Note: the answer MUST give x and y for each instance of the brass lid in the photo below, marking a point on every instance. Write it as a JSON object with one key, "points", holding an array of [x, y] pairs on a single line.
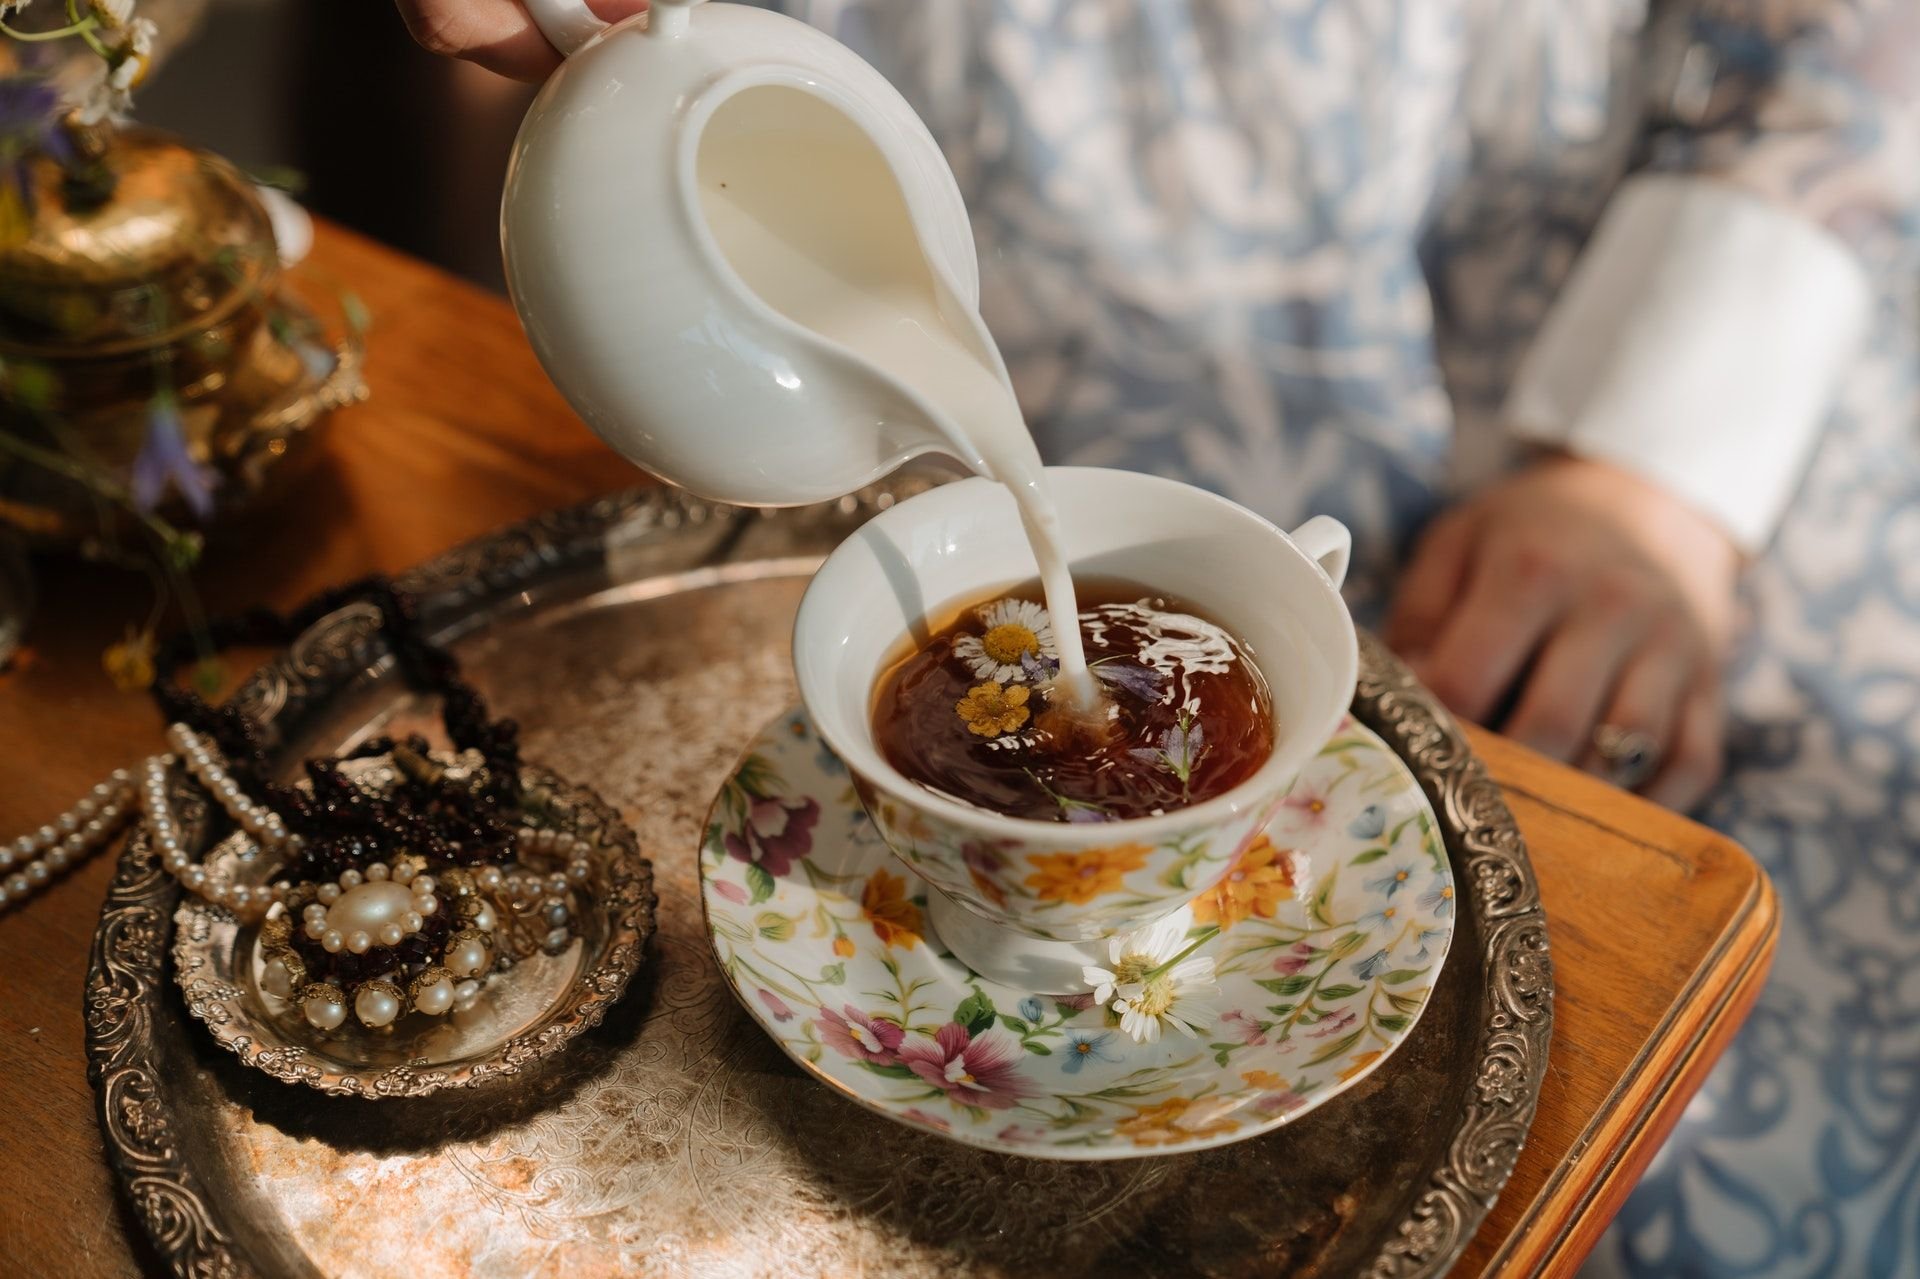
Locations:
{"points": [[181, 243]]}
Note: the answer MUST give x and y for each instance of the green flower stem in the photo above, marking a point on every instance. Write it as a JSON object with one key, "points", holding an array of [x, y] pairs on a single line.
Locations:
{"points": [[1212, 932], [80, 28], [819, 878], [86, 30], [1373, 1027], [1308, 996], [191, 612], [1066, 805], [780, 988], [905, 994], [1287, 938]]}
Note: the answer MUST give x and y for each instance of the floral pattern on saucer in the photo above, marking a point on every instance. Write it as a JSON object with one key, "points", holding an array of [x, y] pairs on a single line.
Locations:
{"points": [[1332, 929]]}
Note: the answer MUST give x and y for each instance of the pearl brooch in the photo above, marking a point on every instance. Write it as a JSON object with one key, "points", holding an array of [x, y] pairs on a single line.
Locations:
{"points": [[391, 939]]}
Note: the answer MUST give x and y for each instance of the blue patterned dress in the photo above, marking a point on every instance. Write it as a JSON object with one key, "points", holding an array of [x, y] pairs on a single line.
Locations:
{"points": [[1293, 250]]}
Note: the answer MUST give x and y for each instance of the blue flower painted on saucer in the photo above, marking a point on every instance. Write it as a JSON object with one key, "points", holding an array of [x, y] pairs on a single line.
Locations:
{"points": [[1371, 822], [1083, 1046]]}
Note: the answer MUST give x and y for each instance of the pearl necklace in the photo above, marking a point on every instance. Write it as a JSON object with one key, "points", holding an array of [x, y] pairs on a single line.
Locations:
{"points": [[32, 862], [36, 860]]}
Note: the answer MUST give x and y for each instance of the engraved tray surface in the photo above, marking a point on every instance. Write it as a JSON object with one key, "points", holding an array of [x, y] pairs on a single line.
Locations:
{"points": [[641, 640]]}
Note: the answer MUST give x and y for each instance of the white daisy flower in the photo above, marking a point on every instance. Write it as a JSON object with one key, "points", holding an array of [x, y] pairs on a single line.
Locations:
{"points": [[1014, 629], [1137, 952], [1155, 980], [112, 96], [1181, 997]]}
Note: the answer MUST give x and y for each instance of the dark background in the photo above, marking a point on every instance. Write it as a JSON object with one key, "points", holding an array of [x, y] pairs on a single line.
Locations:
{"points": [[409, 148]]}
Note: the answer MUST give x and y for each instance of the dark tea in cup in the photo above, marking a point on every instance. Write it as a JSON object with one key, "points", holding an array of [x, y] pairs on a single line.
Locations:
{"points": [[976, 712]]}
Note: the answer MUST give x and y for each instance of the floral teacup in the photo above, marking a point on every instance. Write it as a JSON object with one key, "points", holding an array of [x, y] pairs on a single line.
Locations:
{"points": [[1019, 900]]}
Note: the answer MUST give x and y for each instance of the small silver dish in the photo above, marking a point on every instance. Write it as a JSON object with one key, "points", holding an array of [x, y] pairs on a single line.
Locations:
{"points": [[529, 1011]]}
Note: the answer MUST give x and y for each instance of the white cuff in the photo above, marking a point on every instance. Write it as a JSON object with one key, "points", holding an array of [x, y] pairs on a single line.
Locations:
{"points": [[1698, 343]]}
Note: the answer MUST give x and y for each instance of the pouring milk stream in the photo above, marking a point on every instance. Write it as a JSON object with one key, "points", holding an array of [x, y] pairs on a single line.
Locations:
{"points": [[819, 232], [685, 134]]}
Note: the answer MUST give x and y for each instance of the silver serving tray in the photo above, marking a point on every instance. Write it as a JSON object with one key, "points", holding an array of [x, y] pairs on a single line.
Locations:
{"points": [[641, 640]]}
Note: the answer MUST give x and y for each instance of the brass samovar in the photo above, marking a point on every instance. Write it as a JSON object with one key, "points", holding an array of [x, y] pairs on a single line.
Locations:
{"points": [[149, 270]]}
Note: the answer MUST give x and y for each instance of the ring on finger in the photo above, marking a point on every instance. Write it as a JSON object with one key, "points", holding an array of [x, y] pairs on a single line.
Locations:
{"points": [[1631, 756]]}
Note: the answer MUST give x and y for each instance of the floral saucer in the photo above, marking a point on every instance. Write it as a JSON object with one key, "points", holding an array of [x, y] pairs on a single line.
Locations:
{"points": [[1333, 927]]}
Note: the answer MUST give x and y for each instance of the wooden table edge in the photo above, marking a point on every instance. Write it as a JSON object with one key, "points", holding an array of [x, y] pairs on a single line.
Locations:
{"points": [[1636, 1117]]}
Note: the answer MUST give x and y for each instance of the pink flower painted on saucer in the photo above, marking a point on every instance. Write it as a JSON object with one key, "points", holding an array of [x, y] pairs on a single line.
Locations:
{"points": [[776, 831], [983, 1073], [874, 1040]]}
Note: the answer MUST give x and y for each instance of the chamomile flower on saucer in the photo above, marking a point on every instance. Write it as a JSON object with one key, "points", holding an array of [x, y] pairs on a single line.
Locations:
{"points": [[1014, 629], [1182, 997], [1157, 981]]}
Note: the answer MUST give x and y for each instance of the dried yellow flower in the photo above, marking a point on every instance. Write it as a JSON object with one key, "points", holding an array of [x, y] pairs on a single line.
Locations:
{"points": [[991, 709], [130, 662]]}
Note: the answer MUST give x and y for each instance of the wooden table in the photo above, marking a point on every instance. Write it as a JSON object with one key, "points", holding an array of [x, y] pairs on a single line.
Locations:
{"points": [[1661, 929]]}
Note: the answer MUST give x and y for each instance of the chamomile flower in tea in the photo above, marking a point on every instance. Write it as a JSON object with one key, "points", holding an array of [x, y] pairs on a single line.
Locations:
{"points": [[1011, 633]]}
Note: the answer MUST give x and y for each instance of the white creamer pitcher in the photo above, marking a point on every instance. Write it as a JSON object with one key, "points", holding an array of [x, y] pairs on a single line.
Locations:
{"points": [[741, 256]]}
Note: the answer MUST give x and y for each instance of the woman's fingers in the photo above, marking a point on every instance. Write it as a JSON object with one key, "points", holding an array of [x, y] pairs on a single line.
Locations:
{"points": [[1430, 584], [1568, 687], [1694, 758], [497, 34], [1511, 601], [1648, 697]]}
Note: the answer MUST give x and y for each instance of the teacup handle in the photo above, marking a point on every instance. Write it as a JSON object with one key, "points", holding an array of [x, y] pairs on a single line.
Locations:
{"points": [[1328, 542], [568, 24]]}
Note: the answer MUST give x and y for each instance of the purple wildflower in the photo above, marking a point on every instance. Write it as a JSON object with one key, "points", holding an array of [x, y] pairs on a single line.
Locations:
{"points": [[164, 462], [1142, 682], [1179, 750], [1037, 668], [29, 128]]}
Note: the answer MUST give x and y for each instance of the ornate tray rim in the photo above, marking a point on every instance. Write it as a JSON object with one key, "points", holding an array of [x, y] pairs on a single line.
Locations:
{"points": [[126, 970]]}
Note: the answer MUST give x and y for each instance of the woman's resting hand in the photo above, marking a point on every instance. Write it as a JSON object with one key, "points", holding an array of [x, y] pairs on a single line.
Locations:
{"points": [[1578, 594]]}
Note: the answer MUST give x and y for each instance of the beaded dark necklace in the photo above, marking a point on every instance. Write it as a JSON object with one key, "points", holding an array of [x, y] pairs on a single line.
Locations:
{"points": [[341, 825]]}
